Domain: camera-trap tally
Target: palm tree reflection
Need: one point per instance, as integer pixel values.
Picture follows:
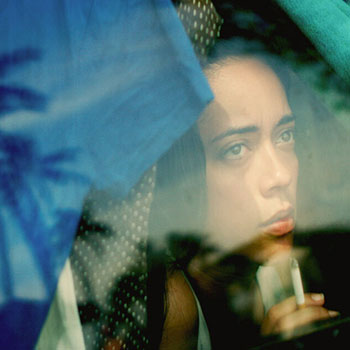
(28, 181)
(13, 98)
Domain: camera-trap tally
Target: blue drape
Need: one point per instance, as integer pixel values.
(91, 93)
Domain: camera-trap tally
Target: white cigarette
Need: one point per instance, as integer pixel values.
(297, 283)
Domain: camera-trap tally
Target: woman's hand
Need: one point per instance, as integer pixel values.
(286, 316)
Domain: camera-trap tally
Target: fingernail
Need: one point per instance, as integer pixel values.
(317, 296)
(332, 313)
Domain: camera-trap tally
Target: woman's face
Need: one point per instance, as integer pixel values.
(251, 166)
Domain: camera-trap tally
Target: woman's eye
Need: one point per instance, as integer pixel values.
(234, 152)
(286, 137)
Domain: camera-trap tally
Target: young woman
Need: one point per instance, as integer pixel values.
(232, 182)
(175, 265)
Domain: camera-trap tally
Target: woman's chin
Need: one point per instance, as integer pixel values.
(268, 248)
(278, 251)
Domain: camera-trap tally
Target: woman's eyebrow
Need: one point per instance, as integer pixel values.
(286, 119)
(234, 131)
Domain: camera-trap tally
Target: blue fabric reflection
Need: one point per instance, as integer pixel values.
(91, 93)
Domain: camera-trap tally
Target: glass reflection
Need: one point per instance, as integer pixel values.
(229, 199)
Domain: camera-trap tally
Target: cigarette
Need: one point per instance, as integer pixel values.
(297, 283)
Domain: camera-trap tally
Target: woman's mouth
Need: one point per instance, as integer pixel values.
(280, 223)
(280, 227)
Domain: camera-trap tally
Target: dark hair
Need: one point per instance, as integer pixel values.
(176, 211)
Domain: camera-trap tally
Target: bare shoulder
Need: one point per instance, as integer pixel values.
(181, 323)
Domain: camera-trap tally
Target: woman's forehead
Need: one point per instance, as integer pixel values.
(239, 72)
(244, 88)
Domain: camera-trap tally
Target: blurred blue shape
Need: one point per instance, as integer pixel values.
(13, 97)
(91, 94)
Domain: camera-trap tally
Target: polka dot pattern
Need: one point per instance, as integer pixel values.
(108, 262)
(108, 258)
(201, 22)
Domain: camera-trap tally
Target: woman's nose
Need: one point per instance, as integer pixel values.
(276, 173)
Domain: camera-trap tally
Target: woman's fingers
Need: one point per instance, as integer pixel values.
(300, 318)
(288, 306)
(287, 315)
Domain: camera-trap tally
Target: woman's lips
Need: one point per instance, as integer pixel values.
(280, 227)
(280, 223)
